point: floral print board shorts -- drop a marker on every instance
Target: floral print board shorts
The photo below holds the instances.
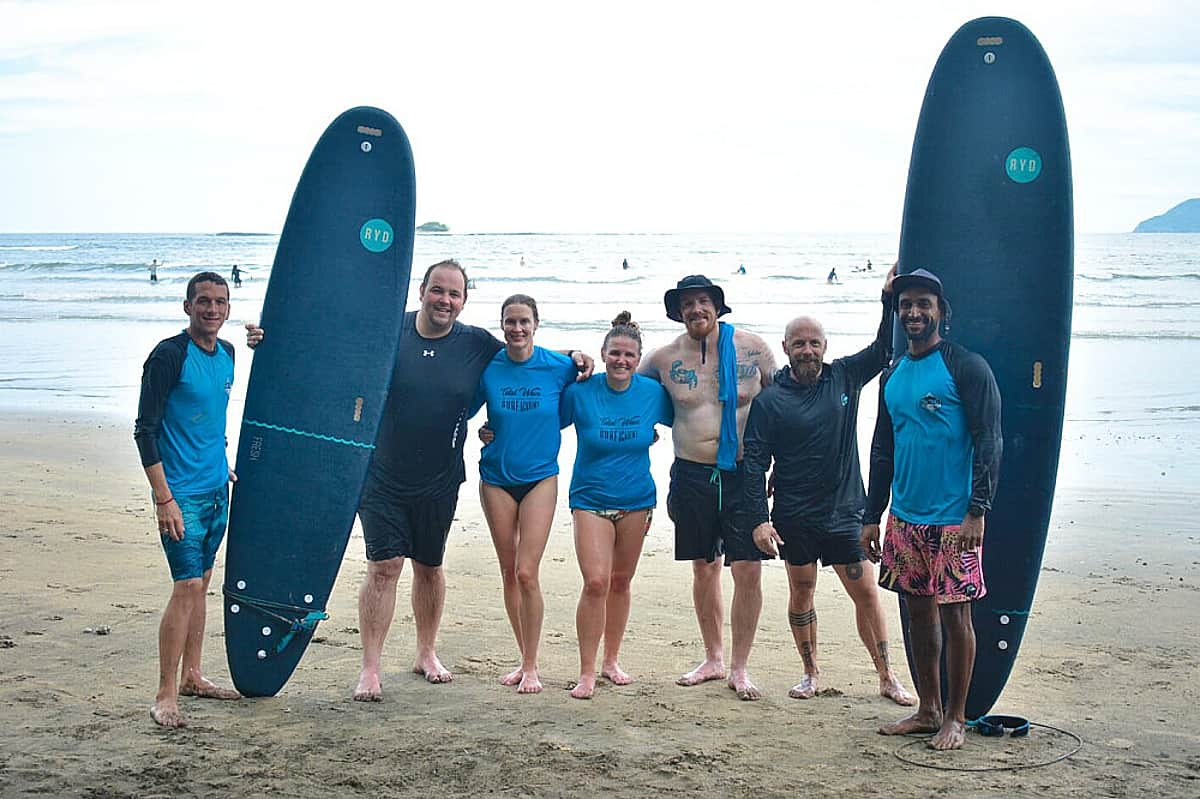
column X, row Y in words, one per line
column 926, row 560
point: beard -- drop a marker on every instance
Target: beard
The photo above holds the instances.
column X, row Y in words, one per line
column 806, row 371
column 924, row 334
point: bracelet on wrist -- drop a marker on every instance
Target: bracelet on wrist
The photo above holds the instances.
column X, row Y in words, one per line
column 166, row 501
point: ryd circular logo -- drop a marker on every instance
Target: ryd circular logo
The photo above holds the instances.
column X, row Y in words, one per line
column 376, row 235
column 1023, row 165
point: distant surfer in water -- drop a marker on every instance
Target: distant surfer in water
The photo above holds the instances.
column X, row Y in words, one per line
column 189, row 477
column 741, row 270
column 832, row 278
column 411, row 491
column 805, row 422
column 154, row 271
column 624, row 263
column 235, row 275
column 712, row 373
column 941, row 399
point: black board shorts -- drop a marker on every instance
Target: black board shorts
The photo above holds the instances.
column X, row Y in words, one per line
column 704, row 503
column 414, row 528
column 833, row 545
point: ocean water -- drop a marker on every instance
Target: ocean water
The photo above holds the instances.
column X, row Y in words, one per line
column 78, row 315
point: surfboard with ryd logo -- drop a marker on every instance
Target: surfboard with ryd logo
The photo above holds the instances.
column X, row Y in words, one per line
column 988, row 209
column 332, row 318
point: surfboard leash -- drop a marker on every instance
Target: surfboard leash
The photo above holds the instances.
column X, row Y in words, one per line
column 1013, row 728
column 296, row 625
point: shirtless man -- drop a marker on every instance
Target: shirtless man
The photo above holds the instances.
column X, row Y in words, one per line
column 706, row 478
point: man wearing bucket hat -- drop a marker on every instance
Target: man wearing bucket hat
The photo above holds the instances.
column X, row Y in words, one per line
column 936, row 453
column 712, row 373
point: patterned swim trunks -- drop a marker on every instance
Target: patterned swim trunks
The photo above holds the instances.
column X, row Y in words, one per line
column 926, row 560
column 615, row 516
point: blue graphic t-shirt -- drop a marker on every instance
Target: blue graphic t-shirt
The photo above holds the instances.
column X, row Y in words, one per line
column 522, row 408
column 933, row 446
column 615, row 430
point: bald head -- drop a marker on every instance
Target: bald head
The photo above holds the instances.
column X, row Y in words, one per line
column 804, row 326
column 804, row 346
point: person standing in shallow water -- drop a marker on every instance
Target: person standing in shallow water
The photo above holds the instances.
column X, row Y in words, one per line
column 806, row 423
column 612, row 493
column 936, row 452
column 180, row 435
column 712, row 373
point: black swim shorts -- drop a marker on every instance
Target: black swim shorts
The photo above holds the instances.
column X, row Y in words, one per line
column 703, row 502
column 415, row 528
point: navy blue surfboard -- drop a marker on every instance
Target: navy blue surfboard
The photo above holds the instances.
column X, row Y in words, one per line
column 988, row 209
column 332, row 316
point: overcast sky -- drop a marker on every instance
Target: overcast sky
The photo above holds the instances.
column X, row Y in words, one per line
column 558, row 116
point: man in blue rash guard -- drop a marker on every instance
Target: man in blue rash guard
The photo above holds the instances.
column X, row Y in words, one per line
column 806, row 422
column 180, row 435
column 936, row 452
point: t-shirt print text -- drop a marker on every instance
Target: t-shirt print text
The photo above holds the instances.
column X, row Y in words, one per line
column 520, row 398
column 619, row 428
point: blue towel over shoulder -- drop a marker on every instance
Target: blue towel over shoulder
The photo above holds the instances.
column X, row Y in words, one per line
column 727, row 393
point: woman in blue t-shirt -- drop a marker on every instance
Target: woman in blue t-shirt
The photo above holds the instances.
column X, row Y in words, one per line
column 518, row 470
column 612, row 493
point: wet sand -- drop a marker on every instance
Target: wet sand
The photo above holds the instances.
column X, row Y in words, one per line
column 1111, row 655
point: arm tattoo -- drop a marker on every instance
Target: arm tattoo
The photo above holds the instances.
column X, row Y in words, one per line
column 684, row 377
column 803, row 618
column 854, row 571
column 746, row 371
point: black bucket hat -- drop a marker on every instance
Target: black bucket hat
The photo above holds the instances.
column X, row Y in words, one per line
column 671, row 298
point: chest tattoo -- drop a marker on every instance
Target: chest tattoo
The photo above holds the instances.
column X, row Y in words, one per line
column 684, row 377
column 746, row 371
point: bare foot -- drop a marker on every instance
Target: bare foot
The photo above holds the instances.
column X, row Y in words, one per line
column 708, row 670
column 807, row 687
column 950, row 736
column 747, row 691
column 585, row 687
column 615, row 674
column 432, row 670
column 369, row 688
column 917, row 722
column 891, row 688
column 207, row 689
column 166, row 714
column 513, row 677
column 530, row 683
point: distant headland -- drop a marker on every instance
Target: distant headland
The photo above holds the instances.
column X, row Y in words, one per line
column 237, row 233
column 1183, row 218
column 433, row 227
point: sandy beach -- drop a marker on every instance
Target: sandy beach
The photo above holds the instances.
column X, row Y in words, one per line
column 1111, row 655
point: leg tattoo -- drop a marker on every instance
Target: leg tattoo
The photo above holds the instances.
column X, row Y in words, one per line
column 803, row 618
column 854, row 571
